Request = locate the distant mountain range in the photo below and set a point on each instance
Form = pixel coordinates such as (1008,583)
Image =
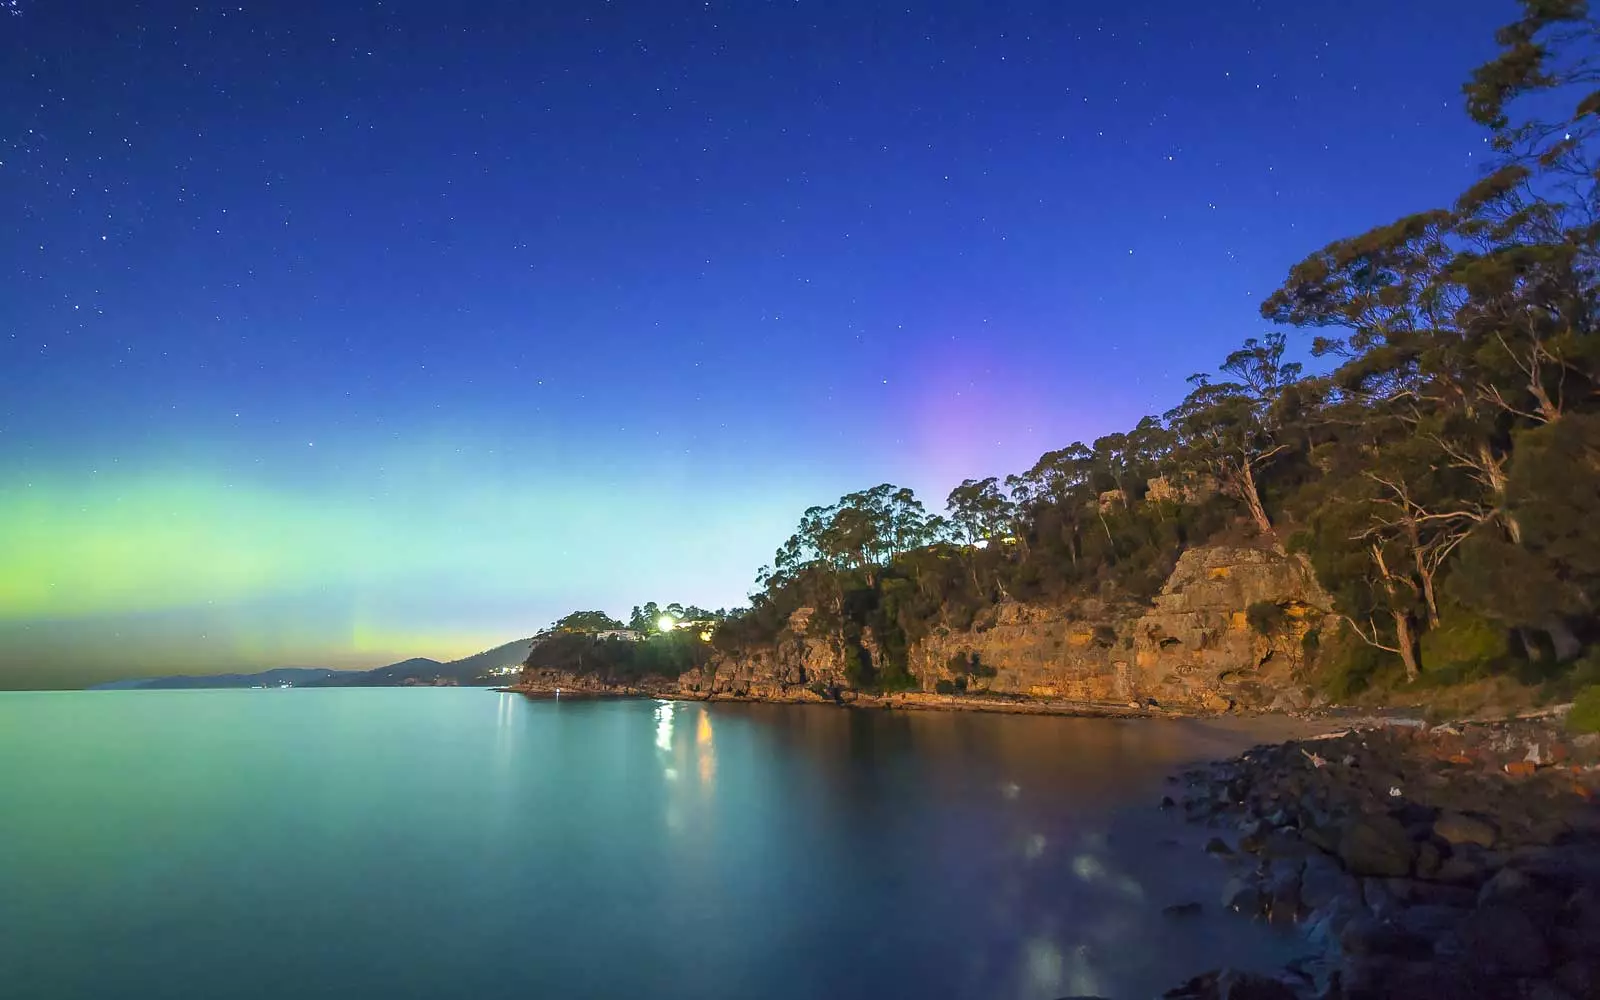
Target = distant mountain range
(478,669)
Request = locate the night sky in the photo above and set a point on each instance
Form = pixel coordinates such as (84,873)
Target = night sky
(332,334)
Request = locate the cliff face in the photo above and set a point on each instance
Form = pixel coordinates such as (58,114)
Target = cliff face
(1192,649)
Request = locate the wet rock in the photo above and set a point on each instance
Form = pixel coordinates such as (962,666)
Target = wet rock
(1431,921)
(1323,881)
(1374,977)
(1441,894)
(1457,828)
(1507,884)
(1181,910)
(1166,802)
(1461,870)
(1541,989)
(1577,977)
(1219,847)
(1501,940)
(1243,896)
(1231,984)
(1367,935)
(1376,845)
(1428,860)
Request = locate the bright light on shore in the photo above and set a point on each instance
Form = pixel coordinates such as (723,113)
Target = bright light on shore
(667,623)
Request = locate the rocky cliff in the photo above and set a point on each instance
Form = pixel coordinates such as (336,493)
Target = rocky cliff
(1192,649)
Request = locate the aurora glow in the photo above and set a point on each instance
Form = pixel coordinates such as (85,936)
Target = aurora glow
(337,334)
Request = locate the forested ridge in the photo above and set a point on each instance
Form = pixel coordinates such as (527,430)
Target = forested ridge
(1439,463)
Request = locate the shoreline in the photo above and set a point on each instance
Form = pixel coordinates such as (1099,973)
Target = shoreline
(1447,861)
(913,701)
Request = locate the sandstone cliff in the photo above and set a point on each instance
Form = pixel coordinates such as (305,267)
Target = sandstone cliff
(1192,649)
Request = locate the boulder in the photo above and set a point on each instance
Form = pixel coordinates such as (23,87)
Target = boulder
(1501,940)
(1367,935)
(1216,845)
(1376,845)
(1231,984)
(1244,897)
(1458,828)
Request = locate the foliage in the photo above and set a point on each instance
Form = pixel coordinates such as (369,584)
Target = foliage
(573,646)
(1585,714)
(1465,643)
(587,621)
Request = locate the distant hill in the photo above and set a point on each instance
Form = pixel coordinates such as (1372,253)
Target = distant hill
(418,669)
(294,676)
(477,669)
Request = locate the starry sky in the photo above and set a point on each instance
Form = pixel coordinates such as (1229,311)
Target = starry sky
(332,334)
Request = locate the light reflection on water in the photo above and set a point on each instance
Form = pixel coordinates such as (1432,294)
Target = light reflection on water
(462,843)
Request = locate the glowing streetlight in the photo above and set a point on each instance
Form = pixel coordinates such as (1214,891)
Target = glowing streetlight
(666,623)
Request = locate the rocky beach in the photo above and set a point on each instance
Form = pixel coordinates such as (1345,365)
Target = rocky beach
(1419,861)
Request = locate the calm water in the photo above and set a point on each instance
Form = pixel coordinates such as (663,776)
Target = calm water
(461,843)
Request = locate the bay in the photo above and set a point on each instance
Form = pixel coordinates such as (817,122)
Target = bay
(465,843)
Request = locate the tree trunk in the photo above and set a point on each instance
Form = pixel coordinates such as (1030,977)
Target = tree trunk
(1427,594)
(1407,643)
(1252,500)
(1566,644)
(1494,469)
(1426,577)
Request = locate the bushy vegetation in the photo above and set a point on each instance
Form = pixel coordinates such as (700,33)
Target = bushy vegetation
(619,660)
(1585,715)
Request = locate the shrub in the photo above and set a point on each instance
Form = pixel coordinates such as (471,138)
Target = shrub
(1585,716)
(1350,666)
(1267,618)
(1464,643)
(944,687)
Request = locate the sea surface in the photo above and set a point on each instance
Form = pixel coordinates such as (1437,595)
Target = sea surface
(463,843)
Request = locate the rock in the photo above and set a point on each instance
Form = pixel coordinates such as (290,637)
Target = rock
(1541,989)
(1375,893)
(1501,940)
(1431,922)
(1442,894)
(1217,846)
(1323,881)
(1166,802)
(1521,768)
(1428,860)
(1457,828)
(1384,978)
(1507,884)
(1231,984)
(1461,870)
(1367,935)
(1243,897)
(1376,845)
(1181,910)
(1577,977)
